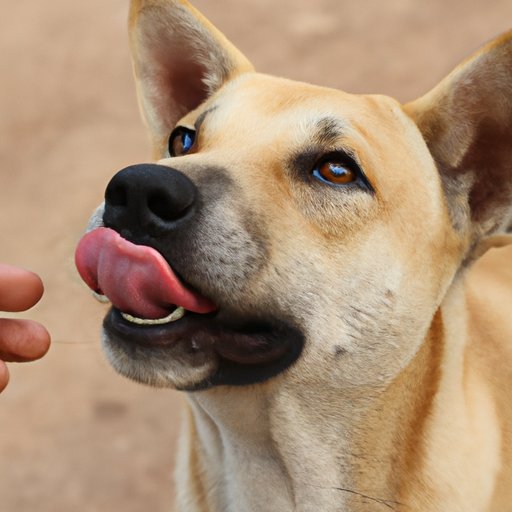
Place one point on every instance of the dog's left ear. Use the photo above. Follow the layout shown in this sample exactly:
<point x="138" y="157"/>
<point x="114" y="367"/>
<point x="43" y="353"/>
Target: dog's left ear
<point x="466" y="122"/>
<point x="179" y="59"/>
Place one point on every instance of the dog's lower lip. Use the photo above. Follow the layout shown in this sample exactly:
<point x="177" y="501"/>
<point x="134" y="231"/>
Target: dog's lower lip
<point x="151" y="334"/>
<point x="248" y="344"/>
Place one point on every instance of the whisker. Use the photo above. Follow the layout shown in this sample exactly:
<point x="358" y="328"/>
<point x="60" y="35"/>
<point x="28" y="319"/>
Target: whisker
<point x="391" y="504"/>
<point x="70" y="342"/>
<point x="386" y="503"/>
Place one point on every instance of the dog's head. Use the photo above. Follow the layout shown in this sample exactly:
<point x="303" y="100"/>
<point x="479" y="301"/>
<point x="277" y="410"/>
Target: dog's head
<point x="288" y="228"/>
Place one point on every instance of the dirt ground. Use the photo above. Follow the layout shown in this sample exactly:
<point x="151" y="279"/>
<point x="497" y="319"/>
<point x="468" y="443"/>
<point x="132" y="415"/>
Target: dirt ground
<point x="74" y="435"/>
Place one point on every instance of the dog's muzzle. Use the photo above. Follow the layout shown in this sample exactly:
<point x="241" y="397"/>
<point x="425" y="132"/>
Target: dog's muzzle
<point x="150" y="212"/>
<point x="142" y="203"/>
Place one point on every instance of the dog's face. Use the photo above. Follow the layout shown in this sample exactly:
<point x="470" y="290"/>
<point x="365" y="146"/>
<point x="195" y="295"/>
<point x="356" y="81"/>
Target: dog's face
<point x="306" y="232"/>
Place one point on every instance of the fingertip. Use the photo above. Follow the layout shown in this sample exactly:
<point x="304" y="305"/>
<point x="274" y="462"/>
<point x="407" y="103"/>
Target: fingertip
<point x="38" y="342"/>
<point x="43" y="341"/>
<point x="22" y="340"/>
<point x="38" y="287"/>
<point x="20" y="289"/>
<point x="34" y="285"/>
<point x="4" y="376"/>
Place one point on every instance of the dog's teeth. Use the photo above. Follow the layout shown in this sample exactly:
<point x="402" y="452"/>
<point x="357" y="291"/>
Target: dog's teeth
<point x="101" y="298"/>
<point x="175" y="315"/>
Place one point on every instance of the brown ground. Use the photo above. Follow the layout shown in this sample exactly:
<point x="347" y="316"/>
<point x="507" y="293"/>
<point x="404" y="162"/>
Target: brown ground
<point x="75" y="436"/>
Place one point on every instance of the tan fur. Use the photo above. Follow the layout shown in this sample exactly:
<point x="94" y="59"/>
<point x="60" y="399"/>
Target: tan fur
<point x="400" y="399"/>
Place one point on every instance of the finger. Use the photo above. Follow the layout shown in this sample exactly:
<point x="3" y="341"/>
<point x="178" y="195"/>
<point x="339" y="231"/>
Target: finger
<point x="22" y="340"/>
<point x="19" y="289"/>
<point x="4" y="376"/>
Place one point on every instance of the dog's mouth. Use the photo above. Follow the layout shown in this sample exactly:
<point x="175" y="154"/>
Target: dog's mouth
<point x="136" y="279"/>
<point x="154" y="308"/>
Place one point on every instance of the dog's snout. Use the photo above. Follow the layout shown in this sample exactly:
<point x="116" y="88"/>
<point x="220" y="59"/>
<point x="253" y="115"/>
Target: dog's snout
<point x="143" y="196"/>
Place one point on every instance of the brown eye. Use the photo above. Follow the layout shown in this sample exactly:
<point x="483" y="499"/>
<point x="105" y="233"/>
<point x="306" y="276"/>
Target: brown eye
<point x="336" y="173"/>
<point x="181" y="141"/>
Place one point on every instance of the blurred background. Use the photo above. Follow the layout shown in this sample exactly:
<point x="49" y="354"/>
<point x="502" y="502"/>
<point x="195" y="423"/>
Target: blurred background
<point x="74" y="435"/>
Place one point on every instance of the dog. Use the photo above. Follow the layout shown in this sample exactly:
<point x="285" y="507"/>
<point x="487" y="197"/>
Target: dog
<point x="305" y="265"/>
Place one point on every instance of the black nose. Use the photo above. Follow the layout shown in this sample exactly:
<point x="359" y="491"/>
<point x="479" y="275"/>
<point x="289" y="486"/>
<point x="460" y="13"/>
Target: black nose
<point x="145" y="198"/>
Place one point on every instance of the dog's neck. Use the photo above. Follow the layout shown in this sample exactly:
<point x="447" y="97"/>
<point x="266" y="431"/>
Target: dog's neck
<point x="356" y="451"/>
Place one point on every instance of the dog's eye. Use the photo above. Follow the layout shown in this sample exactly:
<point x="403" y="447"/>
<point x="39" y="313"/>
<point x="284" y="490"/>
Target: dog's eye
<point x="336" y="171"/>
<point x="181" y="141"/>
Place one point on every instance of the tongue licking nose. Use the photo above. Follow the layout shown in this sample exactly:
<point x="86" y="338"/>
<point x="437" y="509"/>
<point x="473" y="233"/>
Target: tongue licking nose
<point x="135" y="278"/>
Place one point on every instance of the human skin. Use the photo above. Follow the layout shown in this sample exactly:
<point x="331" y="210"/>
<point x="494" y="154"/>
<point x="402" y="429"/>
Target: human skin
<point x="20" y="340"/>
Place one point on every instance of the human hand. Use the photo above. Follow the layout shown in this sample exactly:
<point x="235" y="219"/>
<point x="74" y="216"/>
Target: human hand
<point x="20" y="340"/>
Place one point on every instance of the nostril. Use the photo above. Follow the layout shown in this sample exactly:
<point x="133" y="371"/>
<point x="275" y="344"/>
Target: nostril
<point x="146" y="196"/>
<point x="116" y="195"/>
<point x="163" y="206"/>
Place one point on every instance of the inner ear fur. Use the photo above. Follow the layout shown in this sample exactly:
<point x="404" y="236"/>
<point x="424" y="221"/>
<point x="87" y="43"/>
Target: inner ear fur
<point x="466" y="121"/>
<point x="179" y="59"/>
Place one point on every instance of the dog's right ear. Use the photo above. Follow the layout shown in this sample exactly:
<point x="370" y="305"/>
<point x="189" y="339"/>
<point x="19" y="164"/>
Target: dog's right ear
<point x="179" y="59"/>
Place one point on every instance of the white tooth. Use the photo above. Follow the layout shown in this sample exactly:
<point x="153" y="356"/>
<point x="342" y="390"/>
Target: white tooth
<point x="175" y="315"/>
<point x="101" y="298"/>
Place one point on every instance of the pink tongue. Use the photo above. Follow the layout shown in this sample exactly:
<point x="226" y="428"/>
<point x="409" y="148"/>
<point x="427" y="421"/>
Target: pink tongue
<point x="135" y="278"/>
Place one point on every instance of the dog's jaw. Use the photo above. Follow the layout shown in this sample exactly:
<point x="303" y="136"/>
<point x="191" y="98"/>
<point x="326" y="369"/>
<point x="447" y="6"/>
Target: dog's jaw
<point x="198" y="353"/>
<point x="174" y="367"/>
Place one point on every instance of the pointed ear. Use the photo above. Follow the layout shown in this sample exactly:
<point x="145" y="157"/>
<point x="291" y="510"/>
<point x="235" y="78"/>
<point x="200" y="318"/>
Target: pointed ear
<point x="467" y="124"/>
<point x="179" y="59"/>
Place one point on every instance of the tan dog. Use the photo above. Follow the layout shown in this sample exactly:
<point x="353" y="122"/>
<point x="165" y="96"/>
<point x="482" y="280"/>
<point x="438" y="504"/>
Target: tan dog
<point x="297" y="261"/>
